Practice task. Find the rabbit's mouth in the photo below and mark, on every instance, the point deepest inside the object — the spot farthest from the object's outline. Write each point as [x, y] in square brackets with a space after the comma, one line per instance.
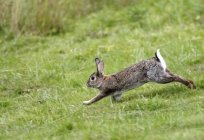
[88, 85]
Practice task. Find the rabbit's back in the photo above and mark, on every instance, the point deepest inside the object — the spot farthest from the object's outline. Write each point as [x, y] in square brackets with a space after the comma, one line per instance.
[136, 75]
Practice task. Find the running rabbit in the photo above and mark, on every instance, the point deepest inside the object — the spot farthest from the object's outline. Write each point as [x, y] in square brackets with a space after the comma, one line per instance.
[151, 70]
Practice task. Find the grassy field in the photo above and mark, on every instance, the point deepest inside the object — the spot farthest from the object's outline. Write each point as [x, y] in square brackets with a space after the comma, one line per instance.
[43, 78]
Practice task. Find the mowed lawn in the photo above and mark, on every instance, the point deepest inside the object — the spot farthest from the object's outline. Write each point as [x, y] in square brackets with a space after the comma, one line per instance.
[43, 78]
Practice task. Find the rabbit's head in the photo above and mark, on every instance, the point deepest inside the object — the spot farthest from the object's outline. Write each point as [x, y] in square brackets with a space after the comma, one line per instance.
[96, 79]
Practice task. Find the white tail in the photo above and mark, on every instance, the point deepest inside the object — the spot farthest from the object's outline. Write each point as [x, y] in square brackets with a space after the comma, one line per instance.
[161, 59]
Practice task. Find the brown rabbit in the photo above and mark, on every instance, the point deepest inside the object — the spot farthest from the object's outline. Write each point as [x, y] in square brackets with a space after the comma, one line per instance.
[151, 70]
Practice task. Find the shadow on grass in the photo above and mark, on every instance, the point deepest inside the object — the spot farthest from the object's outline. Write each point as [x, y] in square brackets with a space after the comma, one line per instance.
[167, 92]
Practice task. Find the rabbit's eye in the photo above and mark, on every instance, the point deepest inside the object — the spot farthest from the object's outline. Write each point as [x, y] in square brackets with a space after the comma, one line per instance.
[93, 78]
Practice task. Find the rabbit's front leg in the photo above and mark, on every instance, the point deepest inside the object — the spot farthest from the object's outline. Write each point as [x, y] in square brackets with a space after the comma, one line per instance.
[95, 99]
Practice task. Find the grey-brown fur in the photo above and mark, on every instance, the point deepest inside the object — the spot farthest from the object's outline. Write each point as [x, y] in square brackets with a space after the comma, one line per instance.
[150, 70]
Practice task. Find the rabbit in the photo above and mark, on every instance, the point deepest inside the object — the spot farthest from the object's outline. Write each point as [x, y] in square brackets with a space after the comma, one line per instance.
[151, 70]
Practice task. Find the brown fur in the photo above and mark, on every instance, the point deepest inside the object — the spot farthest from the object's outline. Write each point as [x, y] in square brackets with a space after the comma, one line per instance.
[134, 76]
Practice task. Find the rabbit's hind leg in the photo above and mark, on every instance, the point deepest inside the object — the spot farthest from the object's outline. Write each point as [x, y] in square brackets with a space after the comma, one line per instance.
[190, 84]
[169, 77]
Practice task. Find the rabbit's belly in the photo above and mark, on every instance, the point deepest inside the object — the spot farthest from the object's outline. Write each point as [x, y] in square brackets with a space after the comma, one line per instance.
[132, 86]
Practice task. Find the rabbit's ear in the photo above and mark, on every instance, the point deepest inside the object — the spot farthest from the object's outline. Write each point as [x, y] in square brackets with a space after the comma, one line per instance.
[99, 66]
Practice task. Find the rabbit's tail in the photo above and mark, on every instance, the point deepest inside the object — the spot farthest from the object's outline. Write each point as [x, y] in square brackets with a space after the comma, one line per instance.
[160, 59]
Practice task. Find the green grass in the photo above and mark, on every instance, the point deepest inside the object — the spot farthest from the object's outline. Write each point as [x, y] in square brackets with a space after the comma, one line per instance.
[43, 79]
[49, 17]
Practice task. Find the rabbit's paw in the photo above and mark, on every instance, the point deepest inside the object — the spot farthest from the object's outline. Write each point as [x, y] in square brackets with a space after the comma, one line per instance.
[191, 85]
[86, 102]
